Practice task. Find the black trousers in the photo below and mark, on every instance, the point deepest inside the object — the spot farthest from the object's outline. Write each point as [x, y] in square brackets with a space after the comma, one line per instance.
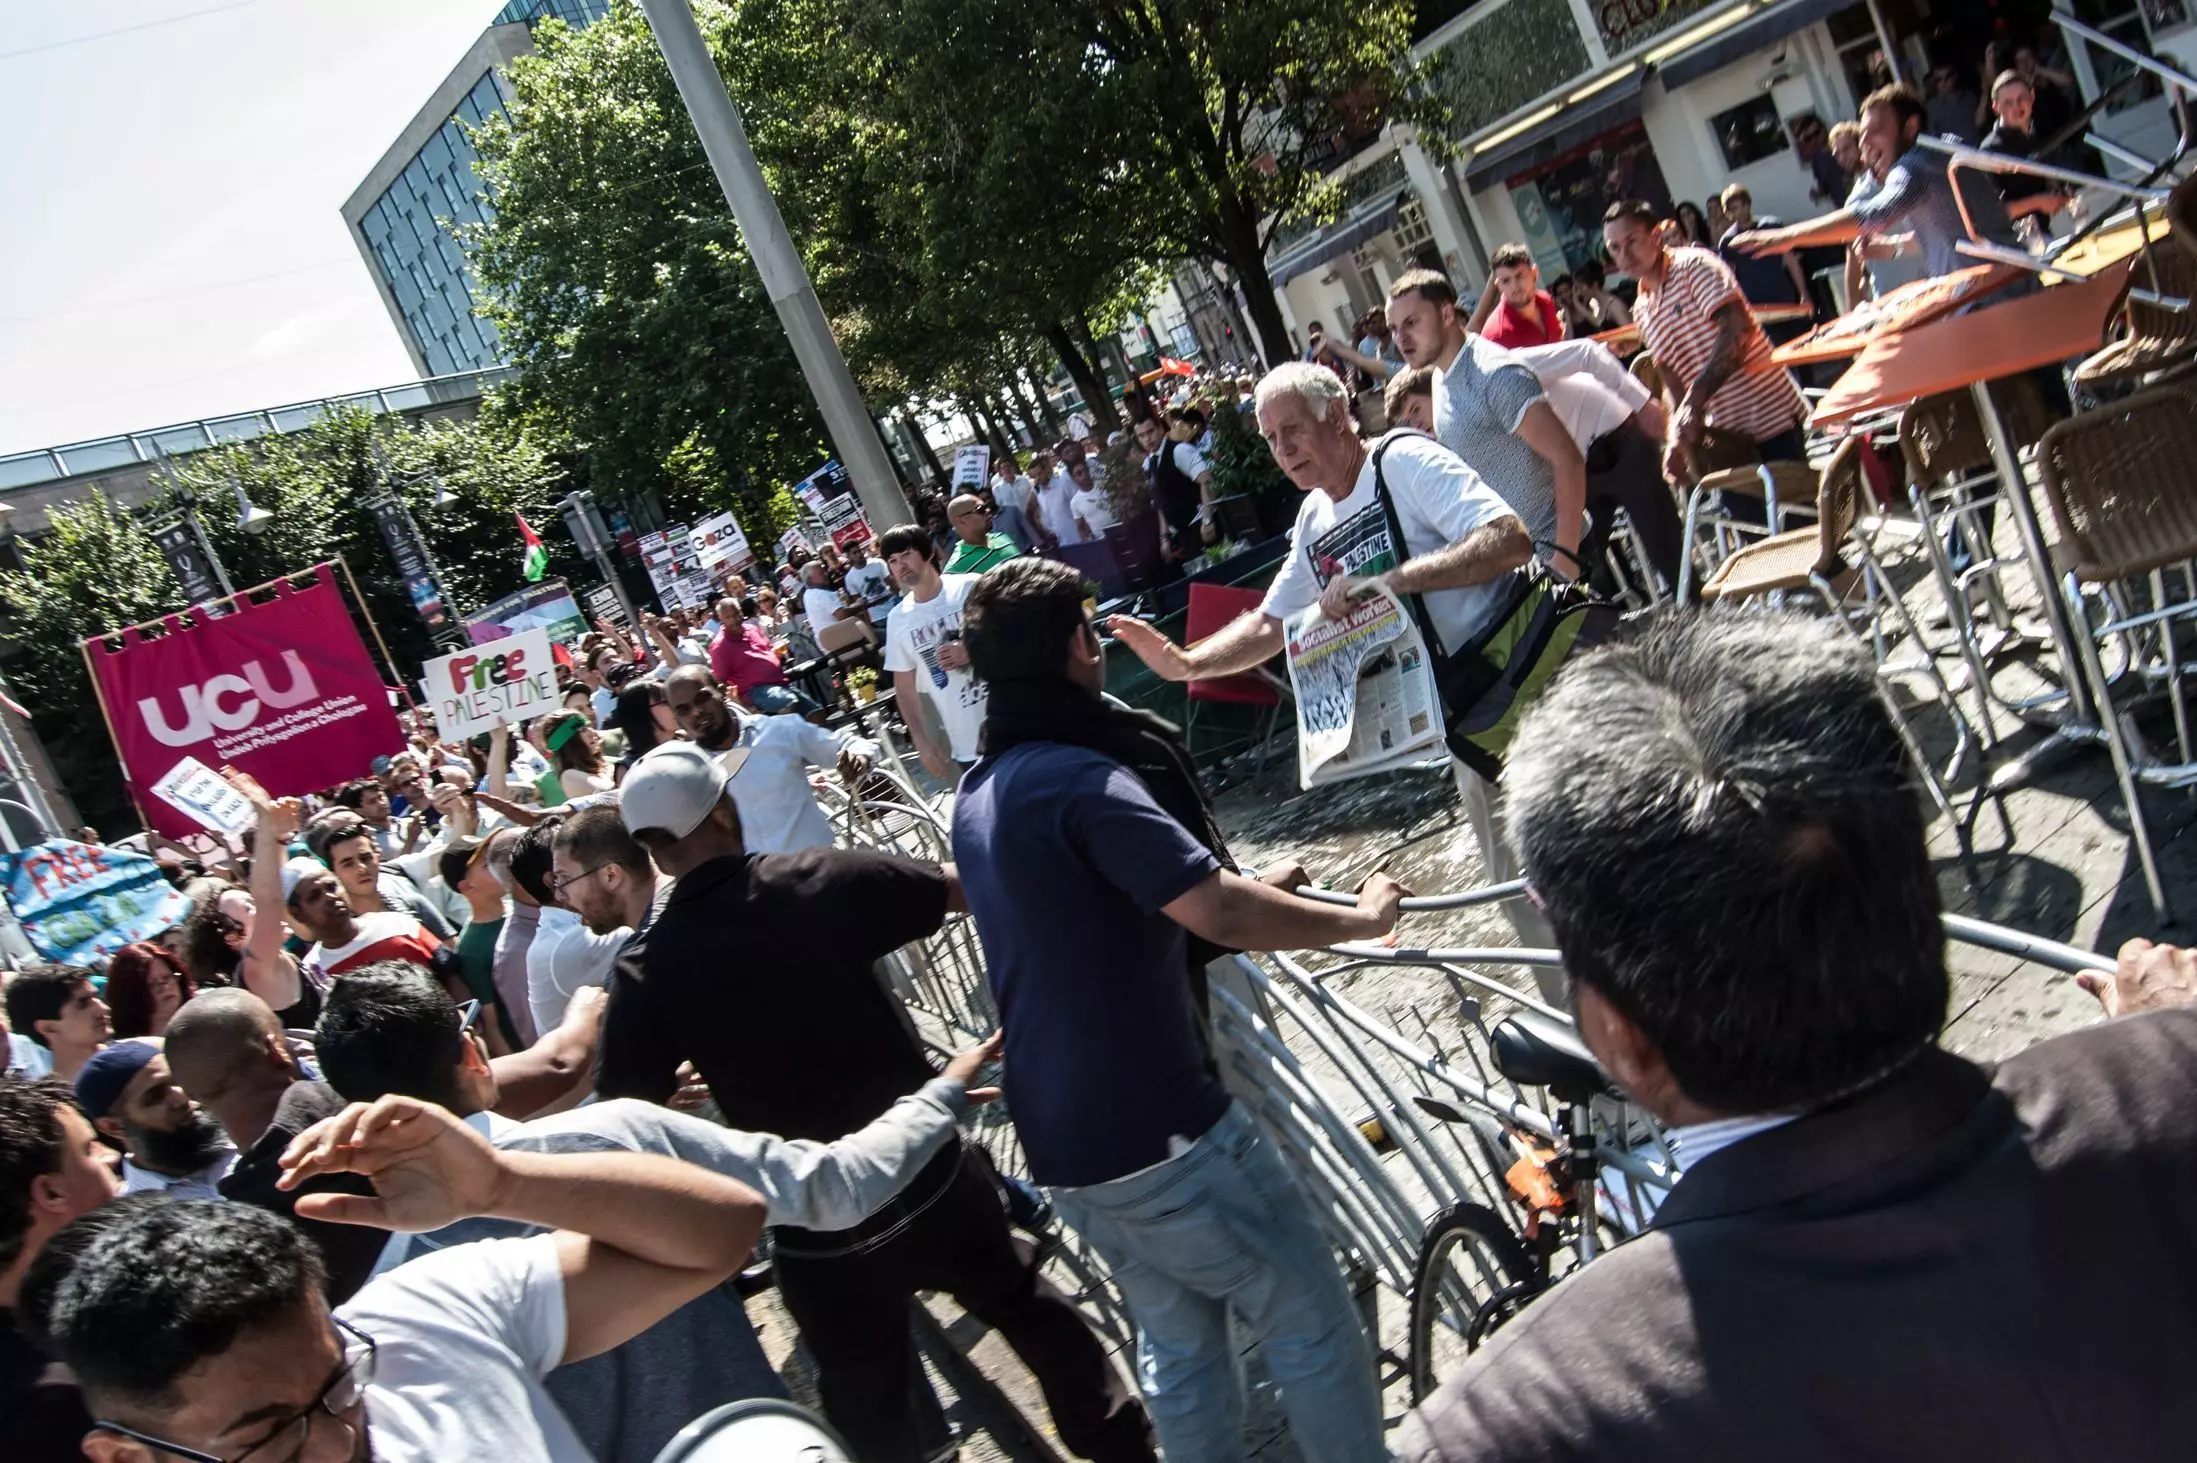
[1625, 470]
[853, 1312]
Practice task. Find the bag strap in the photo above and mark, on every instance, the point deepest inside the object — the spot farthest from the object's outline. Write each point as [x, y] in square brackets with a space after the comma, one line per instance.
[1396, 534]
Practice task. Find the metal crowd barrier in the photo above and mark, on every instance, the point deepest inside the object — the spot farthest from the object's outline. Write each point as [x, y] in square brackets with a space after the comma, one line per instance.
[1362, 1107]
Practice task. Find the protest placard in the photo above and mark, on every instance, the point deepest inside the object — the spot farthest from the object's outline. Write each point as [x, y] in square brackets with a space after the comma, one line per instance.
[473, 691]
[202, 792]
[972, 464]
[547, 606]
[78, 903]
[1365, 692]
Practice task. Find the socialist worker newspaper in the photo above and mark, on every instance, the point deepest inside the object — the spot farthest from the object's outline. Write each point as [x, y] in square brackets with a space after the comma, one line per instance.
[1365, 693]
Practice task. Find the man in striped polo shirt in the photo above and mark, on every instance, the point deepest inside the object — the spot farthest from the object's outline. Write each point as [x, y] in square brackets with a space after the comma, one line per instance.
[1707, 346]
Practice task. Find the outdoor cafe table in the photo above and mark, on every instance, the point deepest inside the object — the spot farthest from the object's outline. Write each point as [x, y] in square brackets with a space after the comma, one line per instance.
[2005, 338]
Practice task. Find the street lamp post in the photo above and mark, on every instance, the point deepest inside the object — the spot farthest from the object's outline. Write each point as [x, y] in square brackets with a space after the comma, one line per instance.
[763, 229]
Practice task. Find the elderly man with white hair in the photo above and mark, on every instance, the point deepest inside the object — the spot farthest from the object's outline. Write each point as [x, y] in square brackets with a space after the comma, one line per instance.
[1460, 539]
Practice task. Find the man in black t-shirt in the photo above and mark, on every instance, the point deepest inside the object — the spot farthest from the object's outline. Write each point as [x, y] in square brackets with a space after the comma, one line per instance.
[761, 970]
[2014, 103]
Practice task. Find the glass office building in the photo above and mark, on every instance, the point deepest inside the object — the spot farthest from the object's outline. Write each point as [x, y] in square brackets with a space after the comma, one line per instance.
[408, 229]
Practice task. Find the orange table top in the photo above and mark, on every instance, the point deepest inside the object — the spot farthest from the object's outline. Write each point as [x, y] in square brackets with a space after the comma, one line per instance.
[1915, 303]
[2005, 339]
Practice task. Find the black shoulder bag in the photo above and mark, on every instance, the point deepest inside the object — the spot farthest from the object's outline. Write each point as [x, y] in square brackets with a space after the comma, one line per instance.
[1486, 685]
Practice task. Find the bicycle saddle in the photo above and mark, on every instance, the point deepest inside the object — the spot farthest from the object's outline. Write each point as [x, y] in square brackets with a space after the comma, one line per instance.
[1534, 1051]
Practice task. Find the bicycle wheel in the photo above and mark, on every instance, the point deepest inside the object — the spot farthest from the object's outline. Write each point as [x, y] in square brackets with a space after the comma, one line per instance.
[1472, 1275]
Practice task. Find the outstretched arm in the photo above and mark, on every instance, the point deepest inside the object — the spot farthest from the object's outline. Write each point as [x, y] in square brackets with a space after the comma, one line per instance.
[1248, 640]
[266, 968]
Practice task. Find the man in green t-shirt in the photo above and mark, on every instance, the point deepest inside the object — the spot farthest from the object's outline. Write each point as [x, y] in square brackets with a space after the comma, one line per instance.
[980, 548]
[464, 868]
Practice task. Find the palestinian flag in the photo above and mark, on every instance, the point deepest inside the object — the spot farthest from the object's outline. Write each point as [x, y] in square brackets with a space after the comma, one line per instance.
[537, 557]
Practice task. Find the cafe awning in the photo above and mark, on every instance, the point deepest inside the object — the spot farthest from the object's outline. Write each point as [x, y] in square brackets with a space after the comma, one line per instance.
[1573, 127]
[1727, 46]
[1339, 237]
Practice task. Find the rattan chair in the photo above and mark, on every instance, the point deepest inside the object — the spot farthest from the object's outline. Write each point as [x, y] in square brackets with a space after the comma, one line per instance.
[1836, 562]
[2159, 339]
[2122, 485]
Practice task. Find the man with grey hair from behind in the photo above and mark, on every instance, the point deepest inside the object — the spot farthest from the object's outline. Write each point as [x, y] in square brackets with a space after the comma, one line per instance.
[1875, 1247]
[1460, 538]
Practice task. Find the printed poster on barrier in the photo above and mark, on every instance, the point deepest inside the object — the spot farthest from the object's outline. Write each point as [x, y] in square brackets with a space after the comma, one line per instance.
[283, 689]
[972, 465]
[547, 606]
[203, 793]
[478, 690]
[1365, 691]
[78, 903]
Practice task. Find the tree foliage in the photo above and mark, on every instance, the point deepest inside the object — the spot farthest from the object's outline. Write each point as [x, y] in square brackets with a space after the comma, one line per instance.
[97, 569]
[972, 183]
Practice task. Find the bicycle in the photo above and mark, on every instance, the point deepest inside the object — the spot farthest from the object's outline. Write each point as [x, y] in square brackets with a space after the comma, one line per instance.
[1473, 1272]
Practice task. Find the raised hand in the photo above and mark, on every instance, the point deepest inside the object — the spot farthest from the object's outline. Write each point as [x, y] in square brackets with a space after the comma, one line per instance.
[428, 1168]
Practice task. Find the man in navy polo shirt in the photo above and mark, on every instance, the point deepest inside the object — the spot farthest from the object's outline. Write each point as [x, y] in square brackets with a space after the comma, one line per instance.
[1089, 859]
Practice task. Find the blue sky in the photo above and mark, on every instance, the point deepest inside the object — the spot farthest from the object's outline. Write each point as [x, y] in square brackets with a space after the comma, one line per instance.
[170, 245]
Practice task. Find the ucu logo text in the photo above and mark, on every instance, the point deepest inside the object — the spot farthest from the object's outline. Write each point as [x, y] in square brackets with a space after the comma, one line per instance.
[228, 703]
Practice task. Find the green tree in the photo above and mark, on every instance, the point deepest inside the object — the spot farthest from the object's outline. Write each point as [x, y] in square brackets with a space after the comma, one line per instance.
[619, 284]
[1234, 110]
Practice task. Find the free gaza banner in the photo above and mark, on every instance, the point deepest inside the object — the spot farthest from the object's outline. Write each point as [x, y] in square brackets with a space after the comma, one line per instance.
[477, 690]
[284, 690]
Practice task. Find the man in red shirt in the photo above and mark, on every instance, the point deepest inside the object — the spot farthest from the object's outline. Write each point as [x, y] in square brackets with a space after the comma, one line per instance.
[742, 659]
[1514, 310]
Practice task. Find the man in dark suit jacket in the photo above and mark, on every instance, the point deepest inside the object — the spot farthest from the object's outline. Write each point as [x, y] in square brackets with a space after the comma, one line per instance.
[1878, 1250]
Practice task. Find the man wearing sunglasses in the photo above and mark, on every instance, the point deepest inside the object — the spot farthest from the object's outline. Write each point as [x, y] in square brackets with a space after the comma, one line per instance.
[980, 548]
[198, 1330]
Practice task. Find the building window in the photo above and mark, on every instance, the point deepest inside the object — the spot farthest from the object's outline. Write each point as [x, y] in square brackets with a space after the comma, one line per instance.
[1413, 232]
[1749, 132]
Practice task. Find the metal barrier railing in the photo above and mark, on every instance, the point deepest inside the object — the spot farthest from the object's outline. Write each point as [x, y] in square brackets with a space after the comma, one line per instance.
[1353, 1101]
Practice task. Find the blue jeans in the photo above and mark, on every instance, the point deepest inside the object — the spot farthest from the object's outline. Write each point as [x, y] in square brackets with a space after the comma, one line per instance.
[773, 700]
[1223, 1228]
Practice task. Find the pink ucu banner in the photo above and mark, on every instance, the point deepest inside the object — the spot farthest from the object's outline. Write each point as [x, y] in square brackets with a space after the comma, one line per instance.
[284, 690]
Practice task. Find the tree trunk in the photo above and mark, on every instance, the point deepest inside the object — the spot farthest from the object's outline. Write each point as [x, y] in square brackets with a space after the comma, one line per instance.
[997, 437]
[1242, 254]
[1046, 415]
[1096, 399]
[923, 446]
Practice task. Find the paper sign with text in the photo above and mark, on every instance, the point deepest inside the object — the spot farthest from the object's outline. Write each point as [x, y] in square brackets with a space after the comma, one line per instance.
[972, 464]
[472, 691]
[200, 791]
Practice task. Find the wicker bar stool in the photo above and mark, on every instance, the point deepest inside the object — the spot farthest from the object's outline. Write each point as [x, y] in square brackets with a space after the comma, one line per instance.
[2122, 484]
[1836, 561]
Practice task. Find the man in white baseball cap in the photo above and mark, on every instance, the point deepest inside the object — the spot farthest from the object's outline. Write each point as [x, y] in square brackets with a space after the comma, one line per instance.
[760, 970]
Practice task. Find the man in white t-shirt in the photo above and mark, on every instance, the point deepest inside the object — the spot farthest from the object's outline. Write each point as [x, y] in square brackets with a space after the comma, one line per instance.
[198, 1328]
[923, 651]
[1011, 499]
[565, 954]
[868, 582]
[819, 601]
[1460, 539]
[1093, 514]
[1055, 498]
